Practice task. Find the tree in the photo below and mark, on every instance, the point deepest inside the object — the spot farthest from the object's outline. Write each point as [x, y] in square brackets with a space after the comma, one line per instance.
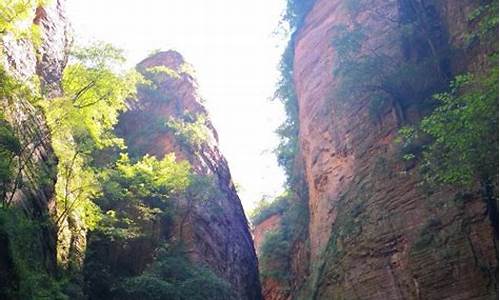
[367, 68]
[82, 121]
[172, 276]
[462, 130]
[12, 12]
[9, 149]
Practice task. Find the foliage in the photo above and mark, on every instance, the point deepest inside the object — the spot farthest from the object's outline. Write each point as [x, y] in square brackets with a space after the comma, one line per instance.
[190, 129]
[266, 209]
[25, 250]
[151, 87]
[276, 250]
[464, 131]
[367, 71]
[486, 17]
[172, 276]
[296, 11]
[162, 70]
[463, 127]
[9, 148]
[15, 17]
[288, 132]
[94, 94]
[134, 195]
[275, 255]
[136, 198]
[82, 121]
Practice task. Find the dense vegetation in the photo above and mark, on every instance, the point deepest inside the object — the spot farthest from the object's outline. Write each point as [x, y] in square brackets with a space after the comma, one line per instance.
[275, 257]
[285, 91]
[106, 203]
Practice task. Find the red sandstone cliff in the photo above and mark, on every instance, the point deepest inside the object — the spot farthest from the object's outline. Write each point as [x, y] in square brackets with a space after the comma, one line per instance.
[375, 231]
[271, 288]
[216, 233]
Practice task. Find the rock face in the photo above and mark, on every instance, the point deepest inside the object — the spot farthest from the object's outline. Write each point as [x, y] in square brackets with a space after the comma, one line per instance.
[37, 172]
[271, 288]
[376, 231]
[260, 231]
[23, 60]
[215, 233]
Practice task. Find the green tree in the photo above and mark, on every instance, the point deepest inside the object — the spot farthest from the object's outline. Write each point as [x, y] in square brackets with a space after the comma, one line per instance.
[191, 130]
[368, 68]
[82, 121]
[13, 13]
[136, 194]
[9, 149]
[457, 142]
[172, 276]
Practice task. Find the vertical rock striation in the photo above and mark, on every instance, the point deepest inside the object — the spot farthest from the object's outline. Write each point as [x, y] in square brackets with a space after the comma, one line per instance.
[215, 233]
[36, 174]
[376, 231]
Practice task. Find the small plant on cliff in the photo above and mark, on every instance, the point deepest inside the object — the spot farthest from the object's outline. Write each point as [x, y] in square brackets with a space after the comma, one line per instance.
[162, 71]
[367, 68]
[288, 132]
[464, 132]
[463, 128]
[191, 130]
[266, 209]
[275, 256]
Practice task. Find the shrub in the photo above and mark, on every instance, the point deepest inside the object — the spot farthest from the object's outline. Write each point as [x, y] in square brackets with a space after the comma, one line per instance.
[9, 148]
[288, 132]
[266, 209]
[26, 252]
[172, 276]
[191, 130]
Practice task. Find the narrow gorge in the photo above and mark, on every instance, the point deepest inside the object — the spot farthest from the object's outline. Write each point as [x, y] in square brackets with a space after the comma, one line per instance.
[114, 186]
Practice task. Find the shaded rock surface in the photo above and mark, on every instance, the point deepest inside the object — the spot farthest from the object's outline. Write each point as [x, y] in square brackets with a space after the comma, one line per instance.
[36, 174]
[216, 233]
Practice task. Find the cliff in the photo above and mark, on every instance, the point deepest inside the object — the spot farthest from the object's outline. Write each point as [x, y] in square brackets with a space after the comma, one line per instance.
[376, 230]
[185, 229]
[32, 188]
[168, 116]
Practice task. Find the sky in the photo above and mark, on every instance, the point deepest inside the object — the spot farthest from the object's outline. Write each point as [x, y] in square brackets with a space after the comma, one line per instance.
[231, 45]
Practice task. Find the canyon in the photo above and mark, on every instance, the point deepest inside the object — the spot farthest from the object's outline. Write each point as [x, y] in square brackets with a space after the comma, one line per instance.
[359, 220]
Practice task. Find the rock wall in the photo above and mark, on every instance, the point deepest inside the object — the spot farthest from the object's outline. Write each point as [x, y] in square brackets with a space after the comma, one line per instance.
[271, 288]
[376, 231]
[259, 232]
[36, 173]
[217, 232]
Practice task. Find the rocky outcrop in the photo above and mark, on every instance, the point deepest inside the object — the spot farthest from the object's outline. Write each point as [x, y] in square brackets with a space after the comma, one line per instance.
[24, 59]
[259, 231]
[376, 231]
[35, 173]
[272, 289]
[216, 233]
